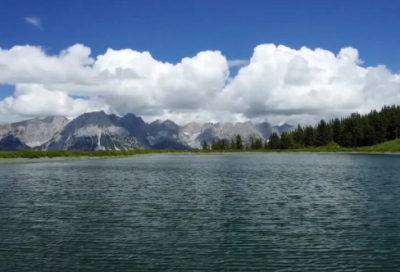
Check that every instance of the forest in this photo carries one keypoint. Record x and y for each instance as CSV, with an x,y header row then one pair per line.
x,y
354,131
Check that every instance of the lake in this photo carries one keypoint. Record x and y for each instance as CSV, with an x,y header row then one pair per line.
x,y
233,212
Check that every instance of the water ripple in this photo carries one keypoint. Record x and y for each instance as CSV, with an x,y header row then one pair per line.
x,y
259,212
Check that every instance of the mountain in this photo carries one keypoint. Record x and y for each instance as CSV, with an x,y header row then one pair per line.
x,y
96,131
100,131
136,127
266,129
228,131
11,143
189,133
284,128
166,135
30,133
211,132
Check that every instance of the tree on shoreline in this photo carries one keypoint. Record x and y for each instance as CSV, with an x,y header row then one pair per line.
x,y
356,130
239,142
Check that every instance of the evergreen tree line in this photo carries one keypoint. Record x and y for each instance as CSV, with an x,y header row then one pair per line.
x,y
355,130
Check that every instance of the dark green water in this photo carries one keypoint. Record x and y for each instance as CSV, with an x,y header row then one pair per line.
x,y
271,212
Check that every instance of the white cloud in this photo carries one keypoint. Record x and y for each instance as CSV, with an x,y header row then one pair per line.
x,y
277,84
34,21
284,81
35,101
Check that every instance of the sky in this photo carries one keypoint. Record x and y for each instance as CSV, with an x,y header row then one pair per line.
x,y
278,61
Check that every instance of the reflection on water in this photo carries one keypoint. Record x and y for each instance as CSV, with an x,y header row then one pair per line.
x,y
258,212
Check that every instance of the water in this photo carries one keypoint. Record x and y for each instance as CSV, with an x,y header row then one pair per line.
x,y
256,212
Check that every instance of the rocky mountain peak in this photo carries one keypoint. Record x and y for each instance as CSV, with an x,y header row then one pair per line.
x,y
34,132
192,128
56,118
97,118
283,128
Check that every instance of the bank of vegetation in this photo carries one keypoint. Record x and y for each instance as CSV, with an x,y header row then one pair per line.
x,y
387,147
350,133
31,154
377,131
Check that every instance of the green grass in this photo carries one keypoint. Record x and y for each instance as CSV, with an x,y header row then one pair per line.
x,y
333,147
391,146
386,147
30,154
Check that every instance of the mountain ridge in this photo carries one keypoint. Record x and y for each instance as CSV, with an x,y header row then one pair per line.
x,y
100,131
33,132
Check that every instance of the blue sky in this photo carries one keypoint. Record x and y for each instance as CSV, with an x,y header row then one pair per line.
x,y
174,29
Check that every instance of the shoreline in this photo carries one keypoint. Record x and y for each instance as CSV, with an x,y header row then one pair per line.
x,y
90,155
385,148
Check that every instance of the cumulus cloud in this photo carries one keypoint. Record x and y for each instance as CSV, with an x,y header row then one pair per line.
x,y
307,83
34,21
277,84
36,101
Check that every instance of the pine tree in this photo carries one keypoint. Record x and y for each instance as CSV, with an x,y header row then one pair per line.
x,y
286,141
336,130
252,143
239,143
213,145
223,144
298,136
258,144
233,145
380,127
346,136
205,146
324,133
219,144
274,141
355,130
309,136
368,133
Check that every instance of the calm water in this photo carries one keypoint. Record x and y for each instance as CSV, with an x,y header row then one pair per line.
x,y
271,212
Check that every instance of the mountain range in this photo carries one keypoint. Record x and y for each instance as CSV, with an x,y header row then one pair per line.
x,y
100,131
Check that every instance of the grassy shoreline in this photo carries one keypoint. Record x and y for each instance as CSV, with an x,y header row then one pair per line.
x,y
387,147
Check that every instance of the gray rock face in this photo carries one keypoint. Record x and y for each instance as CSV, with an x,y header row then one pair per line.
x,y
31,133
10,143
195,134
189,134
284,128
94,131
266,129
136,127
166,135
211,132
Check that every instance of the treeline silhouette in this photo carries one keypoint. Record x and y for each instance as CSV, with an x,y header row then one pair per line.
x,y
356,130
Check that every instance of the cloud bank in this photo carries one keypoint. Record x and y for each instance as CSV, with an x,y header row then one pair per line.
x,y
277,84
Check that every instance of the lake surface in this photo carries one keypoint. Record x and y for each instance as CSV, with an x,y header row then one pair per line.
x,y
234,212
